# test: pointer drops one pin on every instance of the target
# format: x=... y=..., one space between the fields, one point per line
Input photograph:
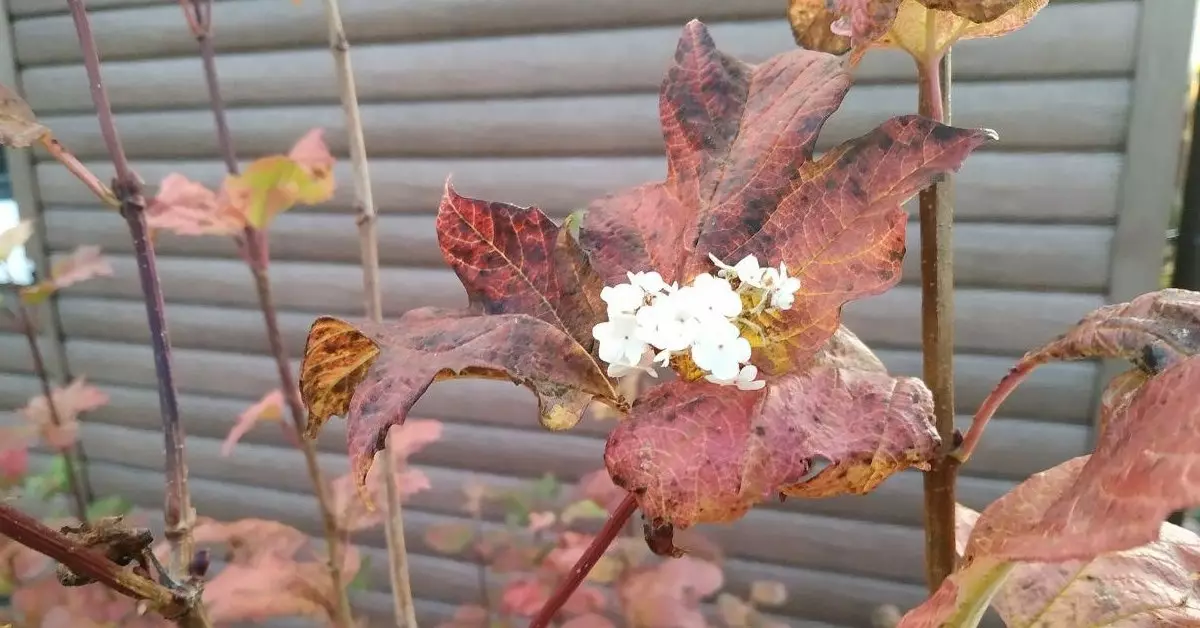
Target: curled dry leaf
x=187 y=208
x=78 y=397
x=904 y=24
x=1143 y=468
x=19 y=127
x=836 y=222
x=85 y=262
x=269 y=408
x=274 y=184
x=693 y=453
x=533 y=301
x=1153 y=331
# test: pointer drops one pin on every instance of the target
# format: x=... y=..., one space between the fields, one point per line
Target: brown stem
x=937 y=331
x=178 y=514
x=583 y=566
x=255 y=241
x=81 y=172
x=402 y=598
x=39 y=369
x=181 y=606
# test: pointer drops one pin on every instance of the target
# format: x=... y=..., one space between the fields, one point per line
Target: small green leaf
x=547 y=488
x=583 y=509
x=108 y=507
x=362 y=579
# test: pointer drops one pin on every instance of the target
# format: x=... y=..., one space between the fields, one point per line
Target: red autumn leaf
x=1147 y=585
x=69 y=403
x=187 y=208
x=524 y=597
x=1153 y=331
x=269 y=408
x=742 y=181
x=84 y=263
x=695 y=453
x=533 y=302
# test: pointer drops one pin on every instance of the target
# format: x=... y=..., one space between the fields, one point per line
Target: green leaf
x=362 y=579
x=108 y=507
x=583 y=509
x=547 y=488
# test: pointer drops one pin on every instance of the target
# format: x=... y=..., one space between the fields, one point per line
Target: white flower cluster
x=649 y=321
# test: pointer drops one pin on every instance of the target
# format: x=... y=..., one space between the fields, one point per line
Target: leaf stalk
x=937 y=321
x=178 y=513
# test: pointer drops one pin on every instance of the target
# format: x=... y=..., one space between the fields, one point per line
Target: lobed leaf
x=742 y=181
x=187 y=208
x=373 y=374
x=69 y=402
x=695 y=453
x=274 y=184
x=19 y=127
x=84 y=263
x=1150 y=584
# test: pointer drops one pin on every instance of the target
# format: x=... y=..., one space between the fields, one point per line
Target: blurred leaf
x=362 y=580
x=583 y=509
x=768 y=592
x=450 y=537
x=547 y=488
x=19 y=127
x=110 y=506
x=13 y=237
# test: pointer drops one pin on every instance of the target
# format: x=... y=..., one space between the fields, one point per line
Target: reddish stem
x=178 y=513
x=39 y=369
x=583 y=566
x=937 y=331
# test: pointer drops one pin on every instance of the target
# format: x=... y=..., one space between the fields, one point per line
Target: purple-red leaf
x=1153 y=331
x=742 y=181
x=696 y=453
x=373 y=374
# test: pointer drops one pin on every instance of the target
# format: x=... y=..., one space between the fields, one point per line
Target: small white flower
x=720 y=350
x=643 y=366
x=710 y=298
x=744 y=379
x=784 y=294
x=618 y=339
x=747 y=270
x=668 y=323
x=622 y=299
x=651 y=282
x=662 y=358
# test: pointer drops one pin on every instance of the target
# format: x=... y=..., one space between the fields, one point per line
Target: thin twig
x=178 y=514
x=39 y=369
x=81 y=172
x=339 y=45
x=254 y=243
x=181 y=606
x=592 y=555
x=937 y=321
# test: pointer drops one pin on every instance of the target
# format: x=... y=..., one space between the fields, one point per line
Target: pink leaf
x=311 y=151
x=669 y=593
x=353 y=513
x=187 y=208
x=69 y=403
x=82 y=264
x=269 y=408
x=524 y=597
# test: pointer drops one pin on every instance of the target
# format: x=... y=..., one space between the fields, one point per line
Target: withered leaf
x=975 y=10
x=741 y=181
x=19 y=127
x=373 y=374
x=696 y=453
x=812 y=22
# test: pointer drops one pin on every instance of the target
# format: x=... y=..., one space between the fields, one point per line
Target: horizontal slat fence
x=551 y=103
